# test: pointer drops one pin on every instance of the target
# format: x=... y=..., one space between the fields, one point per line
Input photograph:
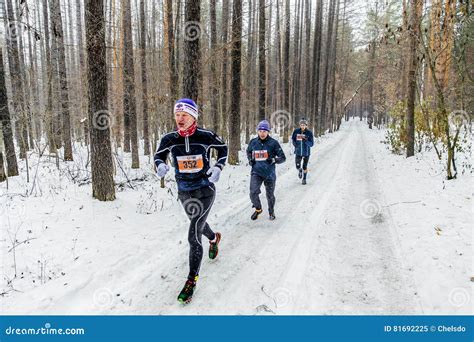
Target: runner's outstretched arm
x=222 y=150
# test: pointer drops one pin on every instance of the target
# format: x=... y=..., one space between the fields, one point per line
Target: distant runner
x=263 y=154
x=303 y=140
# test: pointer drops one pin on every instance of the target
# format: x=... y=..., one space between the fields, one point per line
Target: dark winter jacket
x=302 y=141
x=263 y=155
x=191 y=156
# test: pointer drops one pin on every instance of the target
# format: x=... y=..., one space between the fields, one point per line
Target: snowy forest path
x=241 y=237
x=331 y=247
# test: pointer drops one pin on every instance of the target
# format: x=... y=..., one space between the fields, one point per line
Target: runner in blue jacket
x=303 y=140
x=263 y=154
x=190 y=147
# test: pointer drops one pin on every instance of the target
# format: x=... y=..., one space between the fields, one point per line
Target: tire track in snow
x=295 y=272
x=241 y=284
x=356 y=268
x=158 y=295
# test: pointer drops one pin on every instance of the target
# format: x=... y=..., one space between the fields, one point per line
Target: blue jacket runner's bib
x=263 y=152
x=302 y=145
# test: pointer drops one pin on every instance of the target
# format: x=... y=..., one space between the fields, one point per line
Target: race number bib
x=300 y=137
x=190 y=164
x=260 y=155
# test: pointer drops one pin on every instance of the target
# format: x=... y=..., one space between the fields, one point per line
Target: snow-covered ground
x=371 y=233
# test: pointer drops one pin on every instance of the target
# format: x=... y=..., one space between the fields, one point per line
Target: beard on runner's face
x=184 y=120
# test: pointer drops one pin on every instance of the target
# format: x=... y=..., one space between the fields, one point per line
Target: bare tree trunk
x=16 y=80
x=146 y=136
x=120 y=125
x=371 y=70
x=223 y=85
x=26 y=115
x=71 y=58
x=27 y=81
x=101 y=151
x=192 y=52
x=295 y=104
x=248 y=77
x=178 y=44
x=50 y=125
x=280 y=86
x=214 y=93
x=65 y=114
x=324 y=85
x=56 y=91
x=370 y=85
x=412 y=66
x=154 y=67
x=404 y=48
x=334 y=66
x=12 y=166
x=38 y=120
x=307 y=66
x=34 y=77
x=3 y=175
x=315 y=74
x=125 y=49
x=271 y=78
x=261 y=61
x=172 y=68
x=81 y=66
x=236 y=54
x=33 y=88
x=342 y=85
x=286 y=74
x=129 y=104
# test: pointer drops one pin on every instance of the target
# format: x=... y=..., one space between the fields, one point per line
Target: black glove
x=305 y=138
x=271 y=161
x=252 y=162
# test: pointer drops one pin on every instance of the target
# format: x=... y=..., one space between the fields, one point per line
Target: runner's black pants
x=255 y=184
x=197 y=204
x=305 y=162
